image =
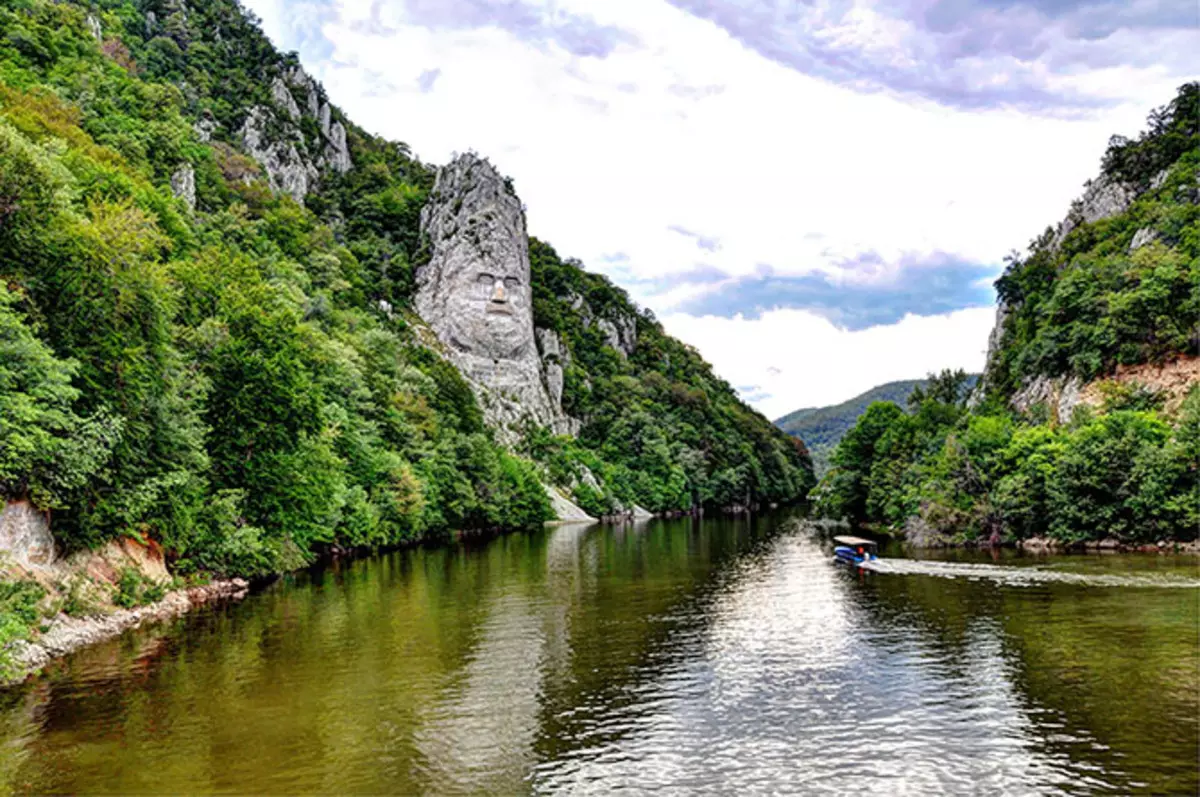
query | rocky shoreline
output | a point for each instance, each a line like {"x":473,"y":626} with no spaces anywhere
{"x":68,"y":634}
{"x":1047,"y":545}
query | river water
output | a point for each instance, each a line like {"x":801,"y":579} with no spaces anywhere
{"x":687,"y":656}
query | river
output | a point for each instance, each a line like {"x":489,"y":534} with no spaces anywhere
{"x":726,"y":656}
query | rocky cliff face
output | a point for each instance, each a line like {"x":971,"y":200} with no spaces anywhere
{"x":476,"y":296}
{"x":273,"y":136}
{"x":25,"y":535}
{"x":620,"y":332}
{"x":1102,"y":198}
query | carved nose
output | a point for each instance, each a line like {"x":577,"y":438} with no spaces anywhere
{"x":498,"y":292}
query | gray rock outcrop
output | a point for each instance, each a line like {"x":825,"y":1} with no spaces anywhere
{"x":566,"y":510}
{"x":304,"y":86}
{"x":476,"y":296}
{"x":337,"y":154}
{"x":324,"y":118}
{"x":272,"y":135}
{"x":620,"y":334}
{"x":1102,"y":199}
{"x":1144,"y":236}
{"x":284,"y":99}
{"x":993,"y":349}
{"x":287,"y":169}
{"x":25,"y":536}
{"x":204,"y":128}
{"x":183,"y":184}
{"x":553,"y":360}
{"x":1060,"y":395}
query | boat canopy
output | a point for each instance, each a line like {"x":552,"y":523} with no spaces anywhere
{"x":856,"y":542}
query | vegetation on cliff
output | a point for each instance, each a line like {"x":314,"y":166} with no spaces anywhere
{"x":192,"y":357}
{"x":1124,"y":289}
{"x":660,"y":429}
{"x":1090,"y":298}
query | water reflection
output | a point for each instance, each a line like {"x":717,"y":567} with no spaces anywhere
{"x":715,"y":655}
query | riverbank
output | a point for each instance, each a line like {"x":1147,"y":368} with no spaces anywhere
{"x":52,"y":605}
{"x":1046,"y":544}
{"x":495,"y":666}
{"x":66,"y":634}
{"x":94,"y":596}
{"x":919,"y":536}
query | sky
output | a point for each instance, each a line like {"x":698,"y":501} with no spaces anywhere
{"x":816,"y":195}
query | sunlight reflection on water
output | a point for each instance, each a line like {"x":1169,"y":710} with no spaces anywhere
{"x":718,"y":656}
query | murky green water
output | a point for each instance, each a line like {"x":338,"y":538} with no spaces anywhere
{"x":714,"y":656}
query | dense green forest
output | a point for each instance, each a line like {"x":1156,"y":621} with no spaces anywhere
{"x":195,"y":351}
{"x":821,"y":428}
{"x":1119,"y":291}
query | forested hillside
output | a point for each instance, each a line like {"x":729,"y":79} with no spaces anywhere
{"x":820,"y":428}
{"x":660,"y":429}
{"x":1086,"y":424}
{"x":206,"y":338}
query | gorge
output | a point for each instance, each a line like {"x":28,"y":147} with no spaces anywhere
{"x":320,"y":474}
{"x":239,"y":330}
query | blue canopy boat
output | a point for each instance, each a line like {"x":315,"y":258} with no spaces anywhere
{"x":855,"y":550}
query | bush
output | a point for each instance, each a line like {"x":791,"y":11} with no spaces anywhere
{"x":129,"y":588}
{"x":19,"y":615}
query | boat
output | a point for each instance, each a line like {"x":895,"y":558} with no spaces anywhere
{"x":855,"y":550}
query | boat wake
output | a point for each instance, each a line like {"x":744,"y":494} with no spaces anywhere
{"x":1024,"y":576}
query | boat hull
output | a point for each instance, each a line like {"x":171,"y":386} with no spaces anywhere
{"x":850,"y":556}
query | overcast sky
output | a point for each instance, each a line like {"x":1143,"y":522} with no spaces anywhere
{"x":817,"y":195}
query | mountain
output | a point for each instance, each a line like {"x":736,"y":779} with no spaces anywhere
{"x":822,"y":427}
{"x":1086,"y":423}
{"x":239,"y":327}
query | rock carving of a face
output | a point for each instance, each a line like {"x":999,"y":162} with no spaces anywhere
{"x":493,"y":317}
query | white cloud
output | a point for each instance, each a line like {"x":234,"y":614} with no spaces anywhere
{"x":783,"y":169}
{"x":798,"y":359}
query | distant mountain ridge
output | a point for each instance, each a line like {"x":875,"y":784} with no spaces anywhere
{"x":822,"y":427}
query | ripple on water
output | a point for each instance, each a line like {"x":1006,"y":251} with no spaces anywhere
{"x":712,"y":657}
{"x":1024,"y":576}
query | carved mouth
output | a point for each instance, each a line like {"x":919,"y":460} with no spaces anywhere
{"x":499,"y":309}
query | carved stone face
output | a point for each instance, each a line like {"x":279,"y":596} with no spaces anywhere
{"x":490,"y":313}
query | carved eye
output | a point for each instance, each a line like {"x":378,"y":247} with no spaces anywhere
{"x":511,"y":283}
{"x":485,"y":279}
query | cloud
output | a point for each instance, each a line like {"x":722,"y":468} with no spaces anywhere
{"x":805,"y":171}
{"x":868,"y":291}
{"x":787,"y":359}
{"x":707,"y":243}
{"x":578,"y":34}
{"x":427,"y":78}
{"x":753,"y":394}
{"x":965,"y":53}
{"x":695,"y":92}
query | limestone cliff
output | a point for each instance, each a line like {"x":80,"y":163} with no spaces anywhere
{"x":274,"y":136}
{"x":25,"y":538}
{"x":1103,"y":198}
{"x":476,"y":296}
